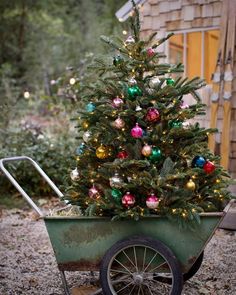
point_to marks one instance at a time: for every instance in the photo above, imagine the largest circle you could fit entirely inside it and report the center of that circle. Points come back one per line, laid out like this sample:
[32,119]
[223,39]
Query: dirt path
[28,266]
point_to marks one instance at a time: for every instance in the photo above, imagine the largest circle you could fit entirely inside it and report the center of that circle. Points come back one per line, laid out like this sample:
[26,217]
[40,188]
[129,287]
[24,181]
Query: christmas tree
[139,154]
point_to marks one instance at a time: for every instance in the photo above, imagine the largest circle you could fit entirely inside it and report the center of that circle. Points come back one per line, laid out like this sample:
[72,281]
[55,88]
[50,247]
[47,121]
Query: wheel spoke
[119,271]
[150,262]
[130,293]
[120,280]
[152,270]
[135,258]
[124,287]
[129,259]
[123,266]
[142,288]
[144,258]
[149,289]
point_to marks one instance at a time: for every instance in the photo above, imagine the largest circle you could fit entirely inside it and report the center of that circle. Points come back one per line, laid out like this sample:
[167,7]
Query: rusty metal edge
[143,218]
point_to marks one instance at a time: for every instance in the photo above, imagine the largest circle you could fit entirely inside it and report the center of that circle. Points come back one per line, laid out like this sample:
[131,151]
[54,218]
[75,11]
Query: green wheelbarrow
[151,256]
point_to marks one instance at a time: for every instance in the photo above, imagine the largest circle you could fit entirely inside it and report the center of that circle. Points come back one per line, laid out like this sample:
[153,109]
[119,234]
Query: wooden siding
[180,15]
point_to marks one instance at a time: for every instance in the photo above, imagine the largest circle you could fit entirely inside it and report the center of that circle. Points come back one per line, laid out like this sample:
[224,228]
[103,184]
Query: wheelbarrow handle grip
[19,188]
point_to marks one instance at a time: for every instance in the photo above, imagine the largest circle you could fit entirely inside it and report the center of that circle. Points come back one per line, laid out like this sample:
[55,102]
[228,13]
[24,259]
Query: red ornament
[122,155]
[128,200]
[150,52]
[152,115]
[152,201]
[137,131]
[209,167]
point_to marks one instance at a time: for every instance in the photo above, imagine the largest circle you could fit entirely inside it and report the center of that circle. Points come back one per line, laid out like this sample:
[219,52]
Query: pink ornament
[150,52]
[119,123]
[128,200]
[184,106]
[117,102]
[137,131]
[152,201]
[152,115]
[146,150]
[94,193]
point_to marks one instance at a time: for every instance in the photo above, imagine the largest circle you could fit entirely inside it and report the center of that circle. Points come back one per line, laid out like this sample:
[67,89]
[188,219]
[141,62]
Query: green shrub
[54,155]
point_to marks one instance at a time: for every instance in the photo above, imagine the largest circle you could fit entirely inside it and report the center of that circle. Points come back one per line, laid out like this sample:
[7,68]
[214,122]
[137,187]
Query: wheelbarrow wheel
[193,270]
[140,266]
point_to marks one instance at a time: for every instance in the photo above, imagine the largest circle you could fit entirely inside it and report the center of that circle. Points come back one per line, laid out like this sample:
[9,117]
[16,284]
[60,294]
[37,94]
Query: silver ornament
[116,181]
[74,175]
[132,82]
[129,40]
[138,108]
[87,136]
[154,82]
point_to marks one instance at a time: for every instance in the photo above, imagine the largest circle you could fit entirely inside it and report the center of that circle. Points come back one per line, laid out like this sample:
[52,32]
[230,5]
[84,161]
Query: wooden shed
[204,32]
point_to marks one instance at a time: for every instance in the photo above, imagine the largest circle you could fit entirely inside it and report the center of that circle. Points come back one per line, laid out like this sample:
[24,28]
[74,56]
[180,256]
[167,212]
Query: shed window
[197,51]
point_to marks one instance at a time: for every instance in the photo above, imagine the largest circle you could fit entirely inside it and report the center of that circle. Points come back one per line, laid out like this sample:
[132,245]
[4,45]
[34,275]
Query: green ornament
[117,60]
[156,154]
[133,92]
[175,124]
[116,194]
[170,81]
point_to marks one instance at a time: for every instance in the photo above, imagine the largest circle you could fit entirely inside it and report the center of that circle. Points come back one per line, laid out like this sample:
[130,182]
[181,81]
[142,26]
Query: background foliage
[40,42]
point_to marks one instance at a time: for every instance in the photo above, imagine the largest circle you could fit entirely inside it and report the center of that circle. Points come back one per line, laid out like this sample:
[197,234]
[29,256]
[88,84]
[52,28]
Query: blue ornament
[198,161]
[90,107]
[80,149]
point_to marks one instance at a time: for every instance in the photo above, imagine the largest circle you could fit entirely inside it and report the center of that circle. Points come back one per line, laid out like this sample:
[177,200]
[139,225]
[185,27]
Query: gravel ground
[28,265]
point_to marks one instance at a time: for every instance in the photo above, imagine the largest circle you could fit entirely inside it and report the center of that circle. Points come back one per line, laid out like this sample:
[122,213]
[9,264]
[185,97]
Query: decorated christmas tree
[139,154]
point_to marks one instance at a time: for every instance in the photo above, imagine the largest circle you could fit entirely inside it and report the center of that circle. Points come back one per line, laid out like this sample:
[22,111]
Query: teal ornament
[90,107]
[156,154]
[80,149]
[175,124]
[116,195]
[117,60]
[133,92]
[170,81]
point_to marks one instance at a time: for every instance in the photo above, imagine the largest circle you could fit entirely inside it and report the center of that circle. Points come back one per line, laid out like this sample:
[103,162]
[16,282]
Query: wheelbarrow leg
[64,283]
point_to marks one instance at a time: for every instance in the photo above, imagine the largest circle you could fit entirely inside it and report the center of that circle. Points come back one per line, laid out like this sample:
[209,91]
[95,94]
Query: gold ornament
[191,185]
[102,152]
[85,125]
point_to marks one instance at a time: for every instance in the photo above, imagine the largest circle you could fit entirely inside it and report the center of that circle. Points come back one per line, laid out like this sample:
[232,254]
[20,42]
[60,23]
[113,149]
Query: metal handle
[20,189]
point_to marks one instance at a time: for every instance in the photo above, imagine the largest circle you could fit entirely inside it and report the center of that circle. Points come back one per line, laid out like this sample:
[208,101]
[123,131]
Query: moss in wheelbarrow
[80,243]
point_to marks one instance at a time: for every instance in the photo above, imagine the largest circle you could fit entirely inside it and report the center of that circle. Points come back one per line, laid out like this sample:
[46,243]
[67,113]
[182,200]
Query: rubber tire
[195,267]
[148,242]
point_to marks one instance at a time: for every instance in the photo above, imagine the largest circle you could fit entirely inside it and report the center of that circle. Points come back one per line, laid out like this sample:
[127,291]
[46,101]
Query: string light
[26,94]
[124,32]
[72,81]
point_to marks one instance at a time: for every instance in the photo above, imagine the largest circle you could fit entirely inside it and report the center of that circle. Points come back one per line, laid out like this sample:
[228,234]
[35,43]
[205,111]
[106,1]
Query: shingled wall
[169,16]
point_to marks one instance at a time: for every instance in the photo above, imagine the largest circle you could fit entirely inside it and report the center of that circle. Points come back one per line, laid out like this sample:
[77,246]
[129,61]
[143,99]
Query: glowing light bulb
[26,94]
[72,81]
